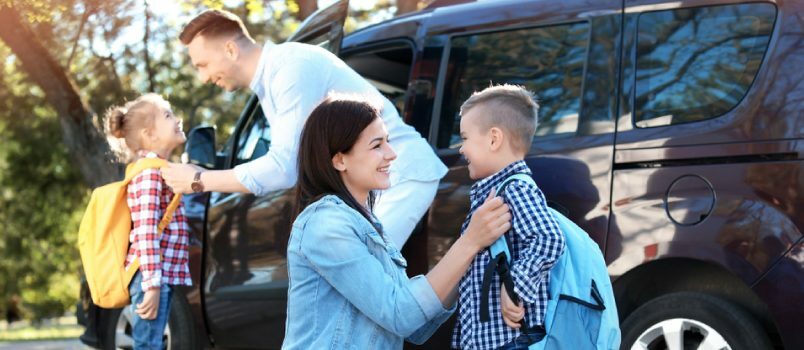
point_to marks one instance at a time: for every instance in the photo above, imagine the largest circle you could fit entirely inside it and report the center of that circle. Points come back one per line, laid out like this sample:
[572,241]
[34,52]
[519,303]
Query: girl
[151,130]
[348,287]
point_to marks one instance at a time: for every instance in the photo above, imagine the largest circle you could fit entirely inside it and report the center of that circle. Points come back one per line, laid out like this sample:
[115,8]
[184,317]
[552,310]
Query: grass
[52,329]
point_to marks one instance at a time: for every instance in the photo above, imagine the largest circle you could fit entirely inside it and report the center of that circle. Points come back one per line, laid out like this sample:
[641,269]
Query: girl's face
[167,131]
[365,167]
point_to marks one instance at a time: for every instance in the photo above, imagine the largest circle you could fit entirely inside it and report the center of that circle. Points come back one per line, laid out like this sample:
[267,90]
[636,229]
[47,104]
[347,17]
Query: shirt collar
[481,188]
[147,154]
[256,84]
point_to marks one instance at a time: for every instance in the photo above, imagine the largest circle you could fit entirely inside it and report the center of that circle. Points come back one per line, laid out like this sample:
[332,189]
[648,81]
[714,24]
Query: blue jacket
[348,287]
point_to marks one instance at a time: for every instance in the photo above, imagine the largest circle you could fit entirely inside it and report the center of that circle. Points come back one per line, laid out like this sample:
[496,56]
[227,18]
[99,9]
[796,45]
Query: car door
[245,277]
[567,54]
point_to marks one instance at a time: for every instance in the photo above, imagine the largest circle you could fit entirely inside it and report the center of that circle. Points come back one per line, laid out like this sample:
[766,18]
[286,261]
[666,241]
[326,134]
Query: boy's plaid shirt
[536,243]
[148,197]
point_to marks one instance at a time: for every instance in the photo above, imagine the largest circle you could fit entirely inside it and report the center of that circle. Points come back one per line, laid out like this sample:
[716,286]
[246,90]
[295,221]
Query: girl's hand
[489,222]
[512,313]
[148,309]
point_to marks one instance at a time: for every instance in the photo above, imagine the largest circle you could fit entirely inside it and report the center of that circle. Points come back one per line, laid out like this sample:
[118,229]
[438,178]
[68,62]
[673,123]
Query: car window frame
[442,76]
[634,61]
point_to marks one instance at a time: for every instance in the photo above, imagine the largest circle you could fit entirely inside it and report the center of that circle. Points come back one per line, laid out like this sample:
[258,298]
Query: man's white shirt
[290,81]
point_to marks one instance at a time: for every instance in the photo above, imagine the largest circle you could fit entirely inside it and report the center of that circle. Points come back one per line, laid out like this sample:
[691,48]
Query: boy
[497,128]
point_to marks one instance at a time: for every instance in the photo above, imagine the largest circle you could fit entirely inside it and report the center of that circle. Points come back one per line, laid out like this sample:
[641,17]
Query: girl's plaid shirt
[148,197]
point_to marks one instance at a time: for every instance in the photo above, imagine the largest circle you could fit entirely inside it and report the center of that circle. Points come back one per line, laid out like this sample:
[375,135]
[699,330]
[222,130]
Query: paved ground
[73,344]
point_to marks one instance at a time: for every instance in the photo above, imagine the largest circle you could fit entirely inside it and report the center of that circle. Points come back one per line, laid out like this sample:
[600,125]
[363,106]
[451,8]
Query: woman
[348,287]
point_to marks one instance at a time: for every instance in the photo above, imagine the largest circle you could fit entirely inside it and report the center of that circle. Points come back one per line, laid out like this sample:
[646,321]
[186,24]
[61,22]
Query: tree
[406,6]
[80,132]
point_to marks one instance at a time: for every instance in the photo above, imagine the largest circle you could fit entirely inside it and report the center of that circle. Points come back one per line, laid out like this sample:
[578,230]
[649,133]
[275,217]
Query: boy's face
[476,146]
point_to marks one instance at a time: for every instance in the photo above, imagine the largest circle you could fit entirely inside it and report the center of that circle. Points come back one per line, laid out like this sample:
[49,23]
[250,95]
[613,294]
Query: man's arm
[295,92]
[180,177]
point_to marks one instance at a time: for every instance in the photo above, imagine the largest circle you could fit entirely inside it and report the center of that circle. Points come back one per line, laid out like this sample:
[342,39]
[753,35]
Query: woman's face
[365,167]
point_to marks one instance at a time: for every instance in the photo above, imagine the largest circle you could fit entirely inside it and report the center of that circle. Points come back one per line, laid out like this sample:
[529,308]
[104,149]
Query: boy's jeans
[526,338]
[148,334]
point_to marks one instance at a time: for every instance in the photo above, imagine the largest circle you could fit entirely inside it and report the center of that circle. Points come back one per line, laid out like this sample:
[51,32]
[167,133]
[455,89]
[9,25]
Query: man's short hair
[509,107]
[213,23]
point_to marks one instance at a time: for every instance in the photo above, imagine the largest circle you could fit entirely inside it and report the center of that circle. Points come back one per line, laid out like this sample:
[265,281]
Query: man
[290,79]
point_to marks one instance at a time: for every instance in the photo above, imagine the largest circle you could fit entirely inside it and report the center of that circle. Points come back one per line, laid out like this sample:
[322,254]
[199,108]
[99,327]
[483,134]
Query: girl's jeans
[148,334]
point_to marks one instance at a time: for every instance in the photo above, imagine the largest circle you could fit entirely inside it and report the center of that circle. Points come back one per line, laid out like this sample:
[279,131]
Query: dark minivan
[671,131]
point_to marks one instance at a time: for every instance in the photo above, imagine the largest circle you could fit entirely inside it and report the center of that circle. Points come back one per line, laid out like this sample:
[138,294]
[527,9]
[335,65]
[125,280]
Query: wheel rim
[680,334]
[122,333]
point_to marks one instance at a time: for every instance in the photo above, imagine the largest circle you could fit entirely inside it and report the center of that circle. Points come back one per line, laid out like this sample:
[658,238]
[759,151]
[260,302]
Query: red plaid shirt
[148,197]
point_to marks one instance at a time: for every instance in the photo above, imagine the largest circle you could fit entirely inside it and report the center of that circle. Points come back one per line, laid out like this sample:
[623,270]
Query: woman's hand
[489,222]
[512,313]
[149,307]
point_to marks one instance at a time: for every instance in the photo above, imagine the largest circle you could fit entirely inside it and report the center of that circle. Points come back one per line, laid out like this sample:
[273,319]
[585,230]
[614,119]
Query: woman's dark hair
[333,127]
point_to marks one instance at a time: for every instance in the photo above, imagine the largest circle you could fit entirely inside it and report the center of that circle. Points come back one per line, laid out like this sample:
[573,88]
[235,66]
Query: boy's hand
[149,307]
[512,313]
[490,221]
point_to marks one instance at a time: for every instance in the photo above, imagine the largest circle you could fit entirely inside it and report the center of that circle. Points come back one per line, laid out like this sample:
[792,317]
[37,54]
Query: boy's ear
[337,162]
[496,138]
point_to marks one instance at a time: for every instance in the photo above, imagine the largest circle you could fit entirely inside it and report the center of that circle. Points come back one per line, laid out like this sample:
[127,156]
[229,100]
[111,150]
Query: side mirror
[200,147]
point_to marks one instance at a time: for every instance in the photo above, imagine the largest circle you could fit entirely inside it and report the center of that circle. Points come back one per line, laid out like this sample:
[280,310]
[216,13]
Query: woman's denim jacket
[348,287]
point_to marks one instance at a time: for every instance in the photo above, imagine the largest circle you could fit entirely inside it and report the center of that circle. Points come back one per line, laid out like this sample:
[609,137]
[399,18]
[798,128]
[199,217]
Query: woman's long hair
[333,127]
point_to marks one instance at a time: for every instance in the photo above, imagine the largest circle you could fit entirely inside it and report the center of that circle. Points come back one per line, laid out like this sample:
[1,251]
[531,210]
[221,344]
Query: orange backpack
[103,237]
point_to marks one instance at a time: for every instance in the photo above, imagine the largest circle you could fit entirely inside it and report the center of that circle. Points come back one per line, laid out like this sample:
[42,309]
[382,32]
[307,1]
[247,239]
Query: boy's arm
[542,237]
[144,191]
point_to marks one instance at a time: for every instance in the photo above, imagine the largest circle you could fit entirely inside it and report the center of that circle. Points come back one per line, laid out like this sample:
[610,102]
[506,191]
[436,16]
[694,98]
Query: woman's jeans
[148,334]
[527,337]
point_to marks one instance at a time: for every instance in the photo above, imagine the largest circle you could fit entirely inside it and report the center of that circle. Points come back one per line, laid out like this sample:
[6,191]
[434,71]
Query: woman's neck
[359,195]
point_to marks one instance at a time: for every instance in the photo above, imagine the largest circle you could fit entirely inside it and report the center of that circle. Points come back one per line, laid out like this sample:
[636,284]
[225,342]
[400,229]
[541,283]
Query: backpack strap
[133,170]
[500,254]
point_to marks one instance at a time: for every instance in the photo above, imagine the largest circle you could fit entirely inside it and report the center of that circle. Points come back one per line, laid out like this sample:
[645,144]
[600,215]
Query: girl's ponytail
[115,121]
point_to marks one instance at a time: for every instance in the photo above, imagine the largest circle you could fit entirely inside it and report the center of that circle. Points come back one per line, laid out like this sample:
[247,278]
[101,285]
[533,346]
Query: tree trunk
[85,142]
[306,8]
[406,6]
[148,69]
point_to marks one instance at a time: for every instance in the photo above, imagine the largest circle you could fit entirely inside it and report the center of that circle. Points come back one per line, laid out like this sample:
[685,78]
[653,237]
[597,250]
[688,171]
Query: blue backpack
[581,312]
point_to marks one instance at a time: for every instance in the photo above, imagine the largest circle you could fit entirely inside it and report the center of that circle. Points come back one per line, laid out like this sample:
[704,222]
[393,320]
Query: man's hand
[149,307]
[180,176]
[490,221]
[512,313]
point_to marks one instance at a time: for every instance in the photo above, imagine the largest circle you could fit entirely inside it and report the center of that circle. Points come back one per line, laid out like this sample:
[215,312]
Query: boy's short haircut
[510,107]
[213,23]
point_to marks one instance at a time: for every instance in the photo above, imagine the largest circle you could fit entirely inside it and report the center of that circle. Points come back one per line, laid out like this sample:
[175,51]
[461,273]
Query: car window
[547,60]
[388,69]
[697,63]
[255,139]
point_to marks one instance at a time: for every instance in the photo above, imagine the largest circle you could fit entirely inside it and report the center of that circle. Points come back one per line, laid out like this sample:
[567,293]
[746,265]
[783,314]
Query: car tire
[179,333]
[689,320]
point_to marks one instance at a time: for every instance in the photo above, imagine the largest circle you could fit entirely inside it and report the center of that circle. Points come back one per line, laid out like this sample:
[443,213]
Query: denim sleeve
[425,332]
[544,242]
[332,245]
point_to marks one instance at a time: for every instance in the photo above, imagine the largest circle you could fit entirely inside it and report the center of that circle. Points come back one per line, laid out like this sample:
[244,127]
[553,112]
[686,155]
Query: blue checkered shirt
[536,243]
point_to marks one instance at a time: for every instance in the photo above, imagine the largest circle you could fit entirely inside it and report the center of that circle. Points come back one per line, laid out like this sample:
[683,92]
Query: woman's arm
[489,222]
[333,245]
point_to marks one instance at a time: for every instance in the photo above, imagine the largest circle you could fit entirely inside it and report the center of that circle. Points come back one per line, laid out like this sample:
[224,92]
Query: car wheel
[179,332]
[688,320]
